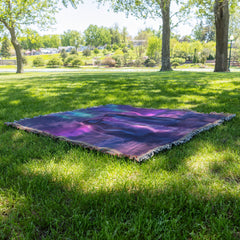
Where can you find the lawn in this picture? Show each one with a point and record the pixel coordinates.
(53, 190)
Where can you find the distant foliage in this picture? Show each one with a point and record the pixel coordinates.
(109, 47)
(119, 60)
(38, 62)
(76, 62)
(68, 60)
(178, 60)
(73, 61)
(105, 52)
(63, 54)
(86, 52)
(97, 62)
(109, 62)
(154, 48)
(175, 64)
(138, 62)
(96, 50)
(24, 60)
(150, 62)
(125, 50)
(54, 62)
(115, 47)
(74, 51)
(5, 50)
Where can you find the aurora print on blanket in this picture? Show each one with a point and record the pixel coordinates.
(136, 133)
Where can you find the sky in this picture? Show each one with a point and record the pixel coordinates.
(88, 13)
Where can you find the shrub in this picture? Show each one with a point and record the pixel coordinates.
(74, 51)
(109, 61)
(24, 60)
(175, 64)
(105, 52)
(115, 46)
(118, 52)
(63, 54)
(68, 60)
(178, 60)
(109, 48)
(54, 62)
(150, 62)
(119, 60)
(97, 62)
(125, 50)
(126, 59)
(38, 62)
(96, 50)
(76, 62)
(86, 52)
(138, 62)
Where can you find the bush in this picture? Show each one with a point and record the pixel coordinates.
(119, 60)
(86, 52)
(54, 62)
(109, 61)
(97, 62)
(68, 60)
(138, 62)
(96, 50)
(24, 60)
(150, 62)
(175, 64)
(125, 50)
(178, 60)
(76, 62)
(115, 46)
(74, 51)
(38, 62)
(105, 52)
(109, 48)
(63, 54)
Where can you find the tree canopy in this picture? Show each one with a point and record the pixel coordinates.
(17, 15)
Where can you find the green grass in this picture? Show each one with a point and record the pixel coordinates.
(52, 190)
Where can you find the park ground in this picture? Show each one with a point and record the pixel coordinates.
(52, 190)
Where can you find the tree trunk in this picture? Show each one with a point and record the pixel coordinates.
(221, 12)
(165, 8)
(17, 48)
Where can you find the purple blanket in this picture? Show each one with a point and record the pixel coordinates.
(136, 133)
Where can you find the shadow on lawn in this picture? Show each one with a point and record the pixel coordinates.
(52, 208)
(71, 91)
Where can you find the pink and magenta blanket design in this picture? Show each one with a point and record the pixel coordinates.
(136, 133)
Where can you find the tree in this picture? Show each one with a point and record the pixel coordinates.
(144, 35)
(31, 41)
(15, 15)
(115, 35)
(5, 50)
(124, 35)
(97, 36)
(234, 25)
(154, 48)
(205, 32)
(144, 9)
(221, 10)
(72, 38)
(51, 41)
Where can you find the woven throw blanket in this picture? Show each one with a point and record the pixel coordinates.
(136, 133)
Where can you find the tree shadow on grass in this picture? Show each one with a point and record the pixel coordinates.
(42, 206)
